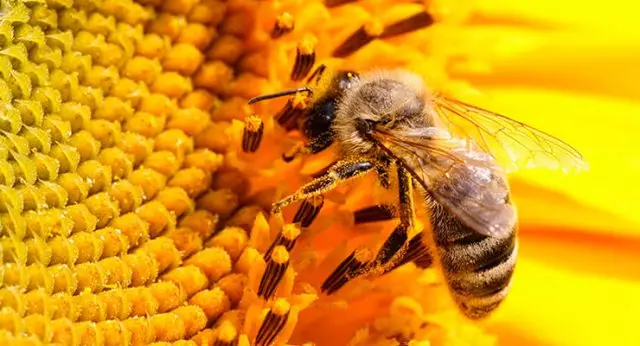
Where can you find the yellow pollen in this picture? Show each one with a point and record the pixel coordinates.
(300, 100)
(307, 45)
(280, 254)
(285, 21)
(253, 123)
(280, 307)
(374, 28)
(363, 255)
(290, 231)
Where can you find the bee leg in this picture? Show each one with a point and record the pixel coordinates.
(399, 236)
(382, 169)
(359, 263)
(393, 253)
(340, 173)
(417, 252)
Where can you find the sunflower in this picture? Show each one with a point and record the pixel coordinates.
(130, 215)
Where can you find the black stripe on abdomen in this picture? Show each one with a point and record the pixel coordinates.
(478, 268)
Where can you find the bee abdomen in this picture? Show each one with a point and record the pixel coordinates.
(477, 268)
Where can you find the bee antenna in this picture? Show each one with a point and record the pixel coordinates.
(279, 94)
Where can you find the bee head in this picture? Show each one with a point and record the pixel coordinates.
(381, 100)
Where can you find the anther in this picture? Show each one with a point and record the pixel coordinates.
(284, 25)
(292, 111)
(416, 22)
(317, 74)
(305, 59)
(308, 210)
(287, 238)
(227, 335)
(417, 252)
(252, 133)
(349, 269)
(359, 39)
(336, 3)
(374, 213)
(273, 323)
(276, 267)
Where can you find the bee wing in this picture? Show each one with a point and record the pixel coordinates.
(458, 175)
(514, 144)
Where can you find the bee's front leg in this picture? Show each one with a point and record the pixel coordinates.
(277, 256)
(338, 174)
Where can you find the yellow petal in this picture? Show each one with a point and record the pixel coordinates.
(572, 289)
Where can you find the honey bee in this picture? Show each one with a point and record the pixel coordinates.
(453, 155)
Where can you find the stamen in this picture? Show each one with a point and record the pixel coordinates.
(308, 210)
(416, 22)
(317, 74)
(374, 213)
(284, 25)
(273, 323)
(252, 134)
(227, 335)
(359, 39)
(305, 59)
(417, 252)
(292, 111)
(276, 267)
(374, 30)
(287, 238)
(348, 270)
(336, 3)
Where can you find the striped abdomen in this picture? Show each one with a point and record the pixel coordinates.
(477, 268)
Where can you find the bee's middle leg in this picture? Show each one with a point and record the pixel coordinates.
(400, 234)
(397, 249)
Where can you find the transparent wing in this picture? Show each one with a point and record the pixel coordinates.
(514, 144)
(458, 175)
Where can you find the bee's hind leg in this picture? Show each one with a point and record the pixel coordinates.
(397, 249)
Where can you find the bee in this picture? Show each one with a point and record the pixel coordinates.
(452, 155)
